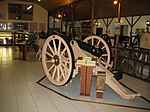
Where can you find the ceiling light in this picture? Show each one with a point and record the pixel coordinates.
(96, 24)
(28, 8)
(39, 0)
(147, 25)
(115, 2)
(147, 22)
(59, 15)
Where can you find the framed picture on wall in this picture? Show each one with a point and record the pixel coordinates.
(2, 15)
(2, 26)
(33, 27)
(21, 26)
(42, 27)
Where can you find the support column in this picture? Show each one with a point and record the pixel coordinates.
(48, 31)
(92, 3)
(117, 34)
(92, 18)
(73, 7)
(107, 23)
(132, 25)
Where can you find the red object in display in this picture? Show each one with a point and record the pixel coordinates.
(85, 82)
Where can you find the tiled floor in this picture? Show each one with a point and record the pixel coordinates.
(19, 91)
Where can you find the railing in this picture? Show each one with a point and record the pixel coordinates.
(135, 63)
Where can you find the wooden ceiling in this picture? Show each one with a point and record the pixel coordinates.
(103, 8)
(106, 9)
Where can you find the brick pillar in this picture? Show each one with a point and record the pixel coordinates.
(83, 80)
(88, 80)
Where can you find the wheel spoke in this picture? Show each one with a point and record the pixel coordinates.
(65, 60)
(103, 62)
(103, 47)
(54, 73)
(67, 69)
(50, 61)
(59, 47)
(98, 42)
(102, 59)
(51, 68)
(55, 49)
(49, 54)
(62, 72)
(51, 49)
(92, 41)
(63, 51)
(58, 74)
(104, 55)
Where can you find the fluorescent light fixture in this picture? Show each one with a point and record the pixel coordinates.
(28, 8)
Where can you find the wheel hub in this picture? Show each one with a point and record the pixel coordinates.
(56, 60)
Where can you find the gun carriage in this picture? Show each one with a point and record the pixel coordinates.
(59, 55)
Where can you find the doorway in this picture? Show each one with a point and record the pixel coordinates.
(99, 31)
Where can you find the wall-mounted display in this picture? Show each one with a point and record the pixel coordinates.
(42, 27)
(2, 15)
(2, 26)
(21, 26)
(9, 26)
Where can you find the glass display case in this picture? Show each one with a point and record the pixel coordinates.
(28, 37)
(6, 38)
(20, 26)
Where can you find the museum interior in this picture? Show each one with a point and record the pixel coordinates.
(74, 55)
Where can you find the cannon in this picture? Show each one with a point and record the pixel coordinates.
(60, 53)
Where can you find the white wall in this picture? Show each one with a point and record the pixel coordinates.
(139, 24)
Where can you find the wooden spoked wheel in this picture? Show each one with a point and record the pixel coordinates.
(135, 42)
(98, 42)
(57, 60)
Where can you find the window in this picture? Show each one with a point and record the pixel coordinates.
(20, 12)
